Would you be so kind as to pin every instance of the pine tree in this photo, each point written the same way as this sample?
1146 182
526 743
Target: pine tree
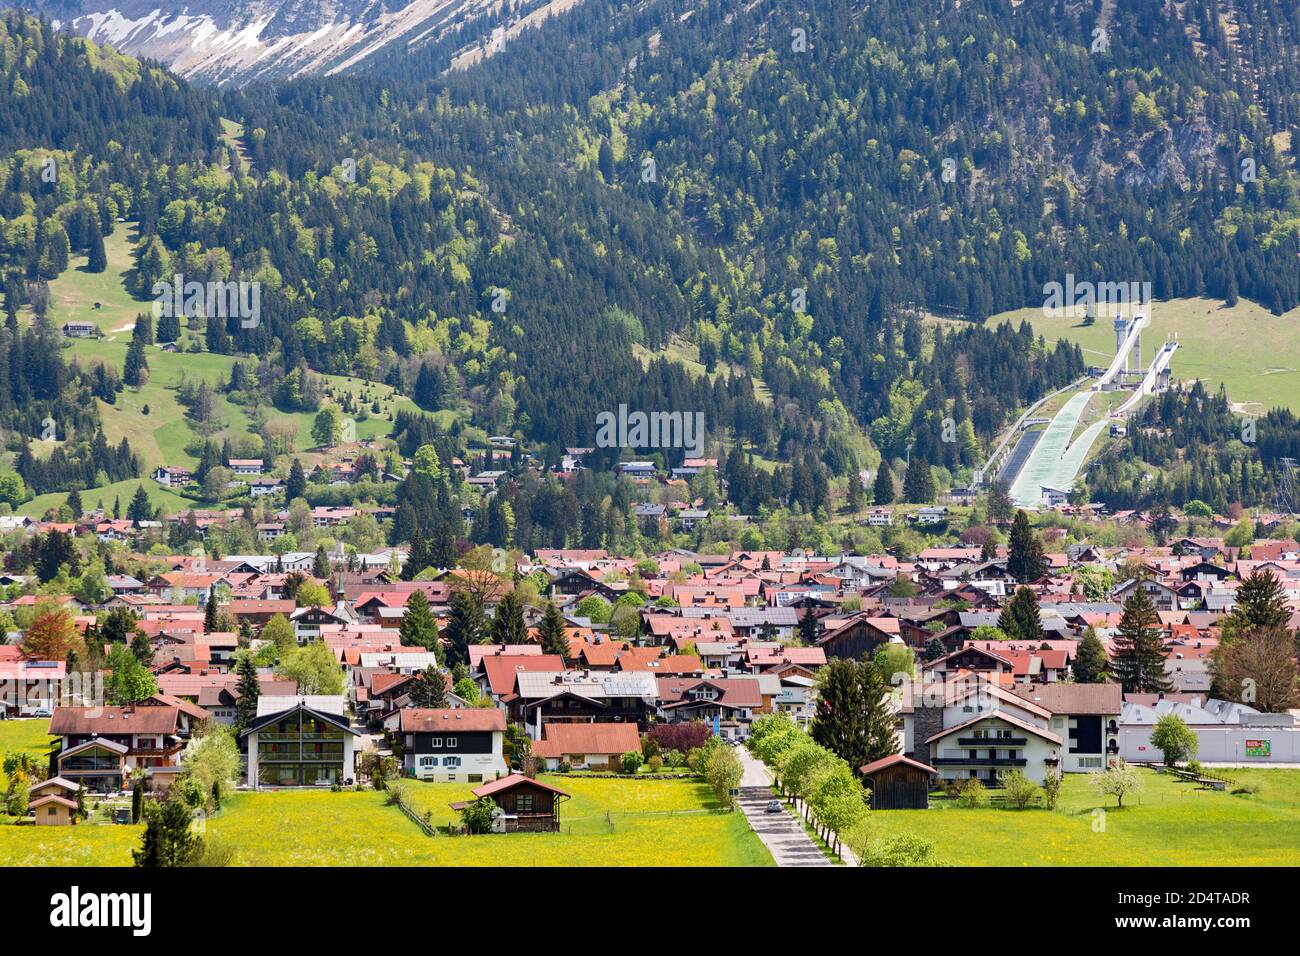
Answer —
250 689
97 261
320 567
1260 605
142 647
296 485
417 558
853 718
605 161
810 628
855 493
1138 660
442 549
465 626
1090 659
218 339
74 504
136 367
1000 506
419 628
140 509
883 490
554 640
210 613
508 623
429 689
1025 560
167 839
1020 620
918 482
169 328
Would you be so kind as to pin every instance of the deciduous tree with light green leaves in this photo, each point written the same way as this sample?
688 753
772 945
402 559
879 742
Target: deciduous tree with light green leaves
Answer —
426 463
279 632
211 758
1118 782
1174 739
721 770
315 669
595 608
128 681
325 429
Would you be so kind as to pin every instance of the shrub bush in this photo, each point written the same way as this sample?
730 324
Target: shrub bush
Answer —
1018 790
971 793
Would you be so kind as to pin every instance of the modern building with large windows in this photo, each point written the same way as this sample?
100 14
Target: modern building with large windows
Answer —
300 742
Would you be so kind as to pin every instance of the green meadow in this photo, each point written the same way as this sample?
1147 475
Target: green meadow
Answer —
1169 823
608 822
1247 349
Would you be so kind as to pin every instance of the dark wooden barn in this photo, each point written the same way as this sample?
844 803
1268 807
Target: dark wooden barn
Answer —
898 783
527 804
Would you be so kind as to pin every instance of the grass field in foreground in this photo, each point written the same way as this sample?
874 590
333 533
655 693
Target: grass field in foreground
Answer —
1252 352
30 735
651 822
1169 824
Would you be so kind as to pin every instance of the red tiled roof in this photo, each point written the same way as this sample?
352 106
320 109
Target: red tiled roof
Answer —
78 721
501 670
512 781
562 739
877 765
428 720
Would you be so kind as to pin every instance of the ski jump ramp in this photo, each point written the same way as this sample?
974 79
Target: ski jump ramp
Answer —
1120 361
1161 362
1055 461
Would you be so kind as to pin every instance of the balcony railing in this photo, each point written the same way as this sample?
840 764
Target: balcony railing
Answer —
90 766
155 751
980 762
992 741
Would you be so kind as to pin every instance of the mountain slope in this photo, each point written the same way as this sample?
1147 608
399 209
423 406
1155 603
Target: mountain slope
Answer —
252 40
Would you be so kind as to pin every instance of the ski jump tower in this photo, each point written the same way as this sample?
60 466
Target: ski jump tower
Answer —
1133 362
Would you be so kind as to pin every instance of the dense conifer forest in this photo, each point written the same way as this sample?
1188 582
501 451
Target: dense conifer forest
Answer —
789 194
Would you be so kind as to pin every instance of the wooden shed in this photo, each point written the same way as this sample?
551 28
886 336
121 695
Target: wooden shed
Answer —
53 810
53 802
526 804
898 783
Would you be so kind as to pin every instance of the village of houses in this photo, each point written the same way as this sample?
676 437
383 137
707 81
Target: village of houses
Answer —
719 647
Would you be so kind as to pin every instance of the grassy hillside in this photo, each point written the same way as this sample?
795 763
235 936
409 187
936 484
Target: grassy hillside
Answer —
150 418
1253 353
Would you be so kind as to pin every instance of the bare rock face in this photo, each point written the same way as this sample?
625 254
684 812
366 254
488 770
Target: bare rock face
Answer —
241 41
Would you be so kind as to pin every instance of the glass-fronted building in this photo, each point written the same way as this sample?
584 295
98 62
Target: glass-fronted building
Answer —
300 747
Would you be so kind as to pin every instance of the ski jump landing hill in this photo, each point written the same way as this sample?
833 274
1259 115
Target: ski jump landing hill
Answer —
1054 461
